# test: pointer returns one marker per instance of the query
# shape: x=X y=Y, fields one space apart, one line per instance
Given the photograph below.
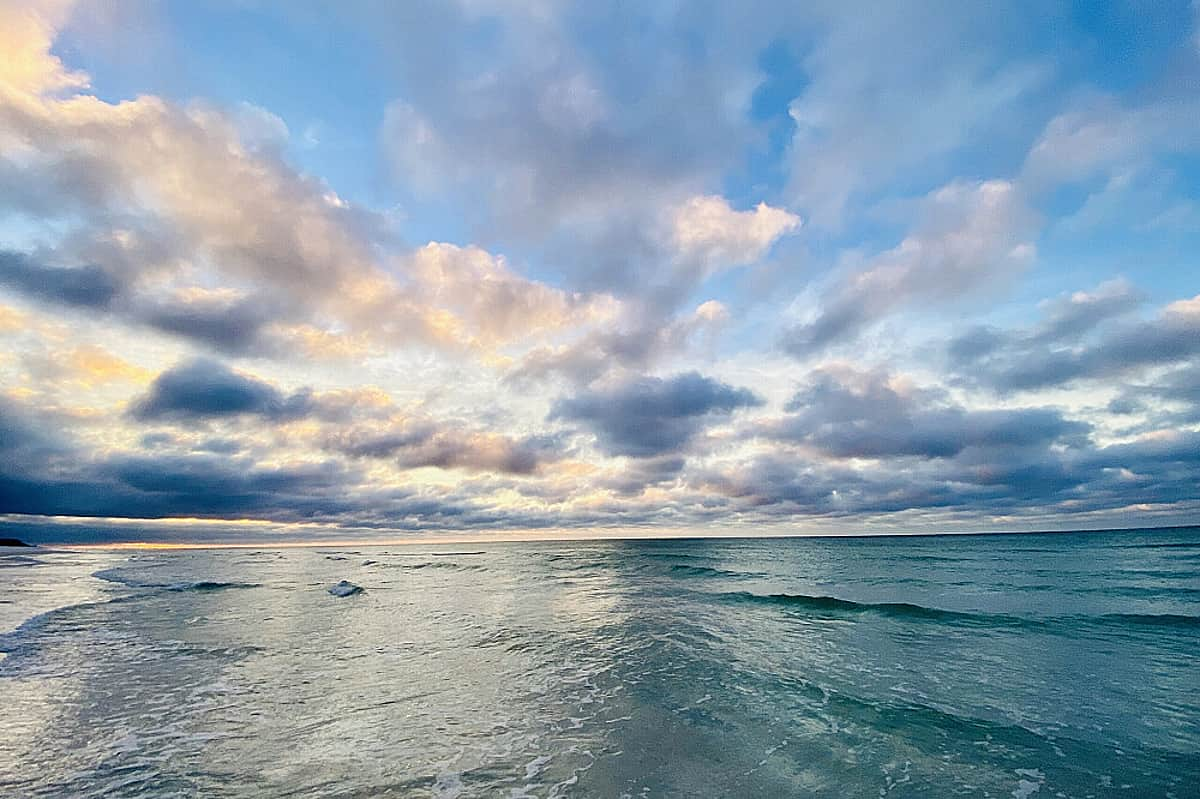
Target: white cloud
x=26 y=29
x=708 y=229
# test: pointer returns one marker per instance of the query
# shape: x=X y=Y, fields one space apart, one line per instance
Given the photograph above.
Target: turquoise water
x=1028 y=666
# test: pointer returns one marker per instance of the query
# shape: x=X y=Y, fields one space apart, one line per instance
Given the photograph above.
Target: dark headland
x=13 y=542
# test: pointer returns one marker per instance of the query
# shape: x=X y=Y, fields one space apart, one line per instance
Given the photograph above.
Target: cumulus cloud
x=650 y=416
x=973 y=234
x=227 y=324
x=489 y=302
x=155 y=197
x=82 y=286
x=708 y=229
x=28 y=65
x=206 y=389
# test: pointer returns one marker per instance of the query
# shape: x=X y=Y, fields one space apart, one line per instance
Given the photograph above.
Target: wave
x=443 y=564
x=930 y=558
x=899 y=610
x=674 y=556
x=708 y=571
x=1153 y=619
x=14 y=640
x=905 y=610
x=17 y=561
x=1151 y=592
x=114 y=576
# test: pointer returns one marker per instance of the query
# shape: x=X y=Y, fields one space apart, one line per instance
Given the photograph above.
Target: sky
x=358 y=270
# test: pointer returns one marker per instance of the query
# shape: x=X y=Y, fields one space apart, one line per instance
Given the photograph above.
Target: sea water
x=1039 y=666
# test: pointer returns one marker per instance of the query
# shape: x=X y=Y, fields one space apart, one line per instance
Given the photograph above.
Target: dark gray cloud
x=227 y=326
x=42 y=473
x=861 y=415
x=181 y=486
x=644 y=472
x=650 y=416
x=80 y=286
x=24 y=436
x=224 y=325
x=1054 y=354
x=1169 y=400
x=1068 y=318
x=48 y=478
x=868 y=447
x=1154 y=472
x=205 y=389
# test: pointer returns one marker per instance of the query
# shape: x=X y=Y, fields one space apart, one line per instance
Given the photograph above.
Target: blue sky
x=491 y=268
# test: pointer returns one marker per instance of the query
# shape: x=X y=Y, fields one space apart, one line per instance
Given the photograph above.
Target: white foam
x=1028 y=787
x=345 y=588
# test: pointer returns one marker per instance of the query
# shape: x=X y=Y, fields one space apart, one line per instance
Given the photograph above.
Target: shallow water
x=1027 y=666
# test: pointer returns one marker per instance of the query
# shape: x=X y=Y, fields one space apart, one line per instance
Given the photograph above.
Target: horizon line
x=433 y=540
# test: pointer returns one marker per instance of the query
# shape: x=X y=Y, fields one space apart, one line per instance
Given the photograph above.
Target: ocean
x=1049 y=665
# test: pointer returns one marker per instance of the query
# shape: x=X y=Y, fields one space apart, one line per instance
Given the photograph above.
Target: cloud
x=157 y=200
x=1070 y=317
x=204 y=389
x=28 y=65
x=143 y=487
x=490 y=303
x=645 y=472
x=1172 y=398
x=650 y=416
x=426 y=443
x=23 y=437
x=1103 y=135
x=82 y=286
x=548 y=136
x=892 y=98
x=634 y=347
x=222 y=320
x=1026 y=360
x=226 y=324
x=707 y=229
x=844 y=413
x=973 y=234
x=1052 y=484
